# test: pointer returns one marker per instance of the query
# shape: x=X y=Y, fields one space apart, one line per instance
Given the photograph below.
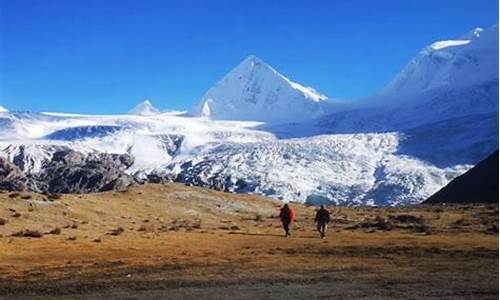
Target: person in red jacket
x=287 y=216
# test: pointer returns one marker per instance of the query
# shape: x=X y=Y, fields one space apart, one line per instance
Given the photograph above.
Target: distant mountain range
x=256 y=131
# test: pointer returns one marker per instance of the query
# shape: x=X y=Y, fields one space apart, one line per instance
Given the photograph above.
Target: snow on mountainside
x=451 y=64
x=348 y=169
x=144 y=108
x=255 y=91
x=3 y=110
x=436 y=119
x=340 y=169
x=445 y=102
x=29 y=158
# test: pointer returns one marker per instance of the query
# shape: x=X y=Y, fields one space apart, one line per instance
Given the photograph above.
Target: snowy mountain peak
x=256 y=91
x=449 y=64
x=252 y=64
x=253 y=60
x=255 y=64
x=144 y=108
x=3 y=110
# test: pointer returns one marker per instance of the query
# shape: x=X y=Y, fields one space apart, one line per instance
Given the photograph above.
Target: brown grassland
x=177 y=242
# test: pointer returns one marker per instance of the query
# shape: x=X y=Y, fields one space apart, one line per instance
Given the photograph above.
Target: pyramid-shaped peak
x=257 y=92
x=145 y=108
x=253 y=62
x=253 y=59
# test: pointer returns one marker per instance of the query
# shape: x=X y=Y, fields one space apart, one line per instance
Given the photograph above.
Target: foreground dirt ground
x=177 y=242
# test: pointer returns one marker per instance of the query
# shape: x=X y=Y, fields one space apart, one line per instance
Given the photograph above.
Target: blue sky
x=97 y=56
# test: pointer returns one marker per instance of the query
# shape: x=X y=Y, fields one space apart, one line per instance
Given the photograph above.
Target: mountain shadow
x=478 y=185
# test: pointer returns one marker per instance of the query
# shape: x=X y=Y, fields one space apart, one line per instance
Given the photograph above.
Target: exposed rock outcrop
x=11 y=177
x=74 y=172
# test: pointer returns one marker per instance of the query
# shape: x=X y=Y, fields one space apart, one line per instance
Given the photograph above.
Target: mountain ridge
x=255 y=91
x=393 y=154
x=145 y=108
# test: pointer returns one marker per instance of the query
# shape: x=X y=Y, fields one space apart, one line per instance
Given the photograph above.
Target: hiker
x=287 y=216
x=322 y=219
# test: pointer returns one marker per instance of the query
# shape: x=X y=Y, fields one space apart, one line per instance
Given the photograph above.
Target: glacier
x=258 y=132
x=234 y=156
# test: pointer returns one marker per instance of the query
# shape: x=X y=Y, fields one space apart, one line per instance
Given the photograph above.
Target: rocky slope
x=73 y=172
x=68 y=171
x=11 y=177
x=478 y=185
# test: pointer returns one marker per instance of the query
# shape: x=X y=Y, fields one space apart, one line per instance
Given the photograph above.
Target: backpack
x=291 y=214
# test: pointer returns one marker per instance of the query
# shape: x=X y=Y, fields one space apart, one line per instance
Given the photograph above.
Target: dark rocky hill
x=478 y=185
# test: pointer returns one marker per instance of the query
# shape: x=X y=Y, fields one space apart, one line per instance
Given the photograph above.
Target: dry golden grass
x=161 y=237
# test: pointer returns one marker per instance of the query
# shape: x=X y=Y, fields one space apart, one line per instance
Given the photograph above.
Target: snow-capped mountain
x=257 y=92
x=470 y=60
x=447 y=79
x=445 y=102
x=3 y=110
x=436 y=119
x=144 y=108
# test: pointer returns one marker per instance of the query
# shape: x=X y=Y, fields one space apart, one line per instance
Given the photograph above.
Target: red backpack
x=291 y=214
